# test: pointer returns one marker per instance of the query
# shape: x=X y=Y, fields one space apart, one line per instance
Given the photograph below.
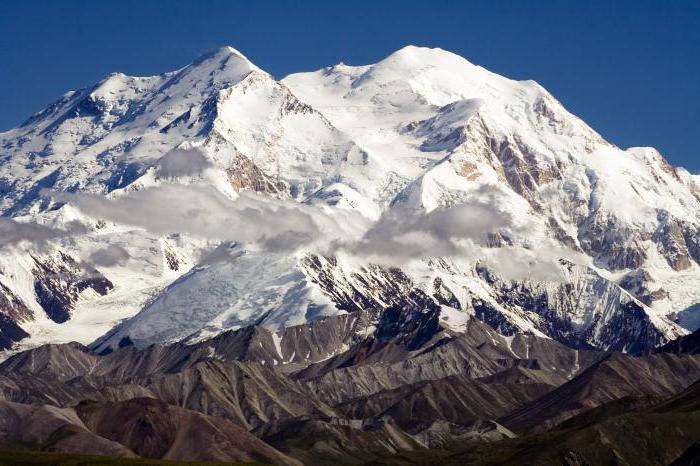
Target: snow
x=423 y=128
x=454 y=319
x=277 y=340
x=252 y=288
x=690 y=318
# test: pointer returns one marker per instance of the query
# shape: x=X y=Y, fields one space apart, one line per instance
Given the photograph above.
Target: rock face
x=580 y=241
x=58 y=283
x=12 y=313
x=688 y=344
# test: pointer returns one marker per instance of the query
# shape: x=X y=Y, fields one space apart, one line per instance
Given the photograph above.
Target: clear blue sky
x=631 y=69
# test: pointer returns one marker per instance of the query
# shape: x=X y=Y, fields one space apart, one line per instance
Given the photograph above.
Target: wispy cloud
x=109 y=256
x=13 y=233
x=206 y=213
x=402 y=234
x=181 y=162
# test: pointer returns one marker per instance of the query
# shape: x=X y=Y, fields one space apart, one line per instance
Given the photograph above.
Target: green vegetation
x=31 y=457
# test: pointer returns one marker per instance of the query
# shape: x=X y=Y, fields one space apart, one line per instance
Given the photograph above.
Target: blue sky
x=631 y=69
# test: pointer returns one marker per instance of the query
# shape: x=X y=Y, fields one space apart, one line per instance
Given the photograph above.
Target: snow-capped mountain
x=213 y=197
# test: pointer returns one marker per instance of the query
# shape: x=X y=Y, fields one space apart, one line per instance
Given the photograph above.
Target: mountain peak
x=223 y=54
x=225 y=51
x=417 y=56
x=400 y=134
x=219 y=68
x=419 y=50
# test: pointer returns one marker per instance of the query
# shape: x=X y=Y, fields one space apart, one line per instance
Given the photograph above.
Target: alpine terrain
x=399 y=263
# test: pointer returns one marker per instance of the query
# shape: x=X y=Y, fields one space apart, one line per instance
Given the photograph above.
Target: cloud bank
x=402 y=234
x=204 y=212
x=12 y=232
x=181 y=162
x=109 y=256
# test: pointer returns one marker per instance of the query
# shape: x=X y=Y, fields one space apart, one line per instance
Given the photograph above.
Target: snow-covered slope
x=476 y=192
x=629 y=211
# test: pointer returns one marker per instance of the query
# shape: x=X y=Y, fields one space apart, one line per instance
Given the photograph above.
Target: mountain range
x=413 y=391
x=398 y=257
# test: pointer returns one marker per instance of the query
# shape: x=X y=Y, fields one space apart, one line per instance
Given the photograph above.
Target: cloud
x=463 y=231
x=224 y=252
x=110 y=256
x=403 y=234
x=181 y=162
x=13 y=233
x=204 y=212
x=541 y=263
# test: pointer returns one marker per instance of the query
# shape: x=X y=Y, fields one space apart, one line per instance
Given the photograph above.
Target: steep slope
x=514 y=136
x=687 y=344
x=474 y=192
x=103 y=138
x=139 y=427
x=237 y=117
x=615 y=377
x=53 y=429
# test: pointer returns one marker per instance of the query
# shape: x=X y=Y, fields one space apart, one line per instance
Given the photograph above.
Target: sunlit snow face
x=364 y=105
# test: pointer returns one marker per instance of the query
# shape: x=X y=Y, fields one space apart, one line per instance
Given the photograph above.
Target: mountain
x=689 y=344
x=613 y=378
x=355 y=405
x=141 y=427
x=176 y=207
x=666 y=432
x=417 y=389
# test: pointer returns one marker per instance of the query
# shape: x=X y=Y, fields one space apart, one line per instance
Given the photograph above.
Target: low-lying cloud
x=204 y=212
x=109 y=256
x=181 y=162
x=13 y=233
x=541 y=263
x=463 y=231
x=402 y=233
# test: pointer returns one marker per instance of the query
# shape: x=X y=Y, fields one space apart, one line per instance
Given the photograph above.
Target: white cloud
x=536 y=264
x=181 y=162
x=206 y=213
x=109 y=256
x=402 y=234
x=13 y=233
